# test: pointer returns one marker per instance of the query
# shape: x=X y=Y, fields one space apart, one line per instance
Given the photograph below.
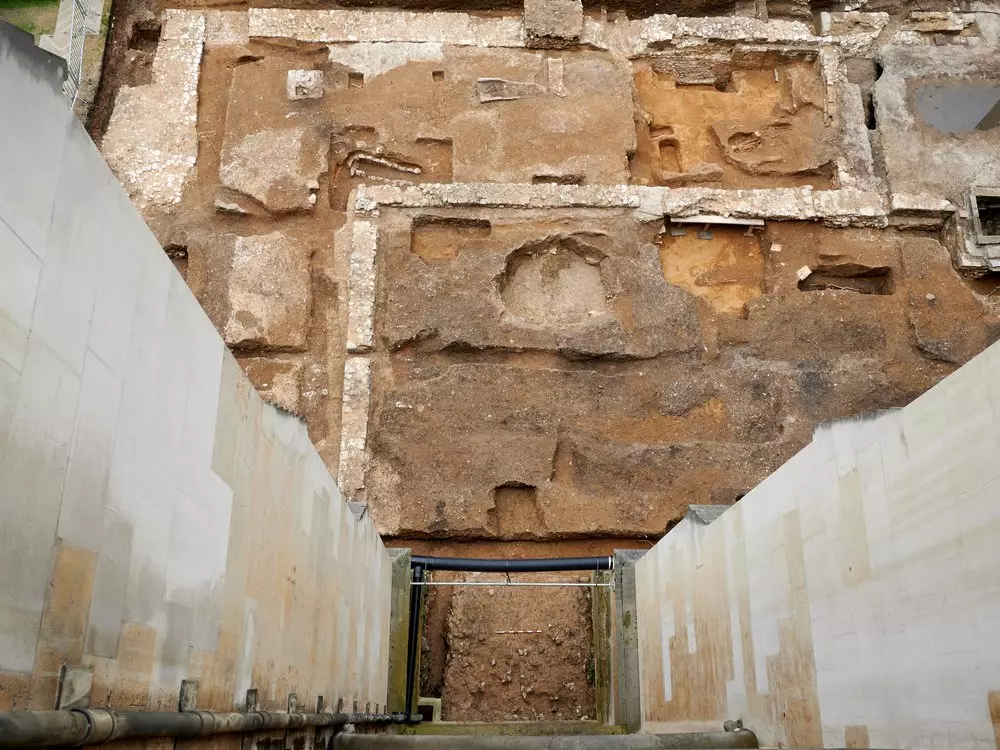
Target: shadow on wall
x=160 y=522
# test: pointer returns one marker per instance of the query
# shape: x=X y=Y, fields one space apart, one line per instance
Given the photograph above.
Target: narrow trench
x=850 y=277
x=870 y=118
x=511 y=653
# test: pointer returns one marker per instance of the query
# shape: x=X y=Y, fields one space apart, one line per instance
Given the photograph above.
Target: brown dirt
x=543 y=674
x=616 y=424
x=566 y=382
x=757 y=127
x=444 y=676
x=723 y=265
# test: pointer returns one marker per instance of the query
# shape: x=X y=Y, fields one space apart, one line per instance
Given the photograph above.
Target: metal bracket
x=74 y=688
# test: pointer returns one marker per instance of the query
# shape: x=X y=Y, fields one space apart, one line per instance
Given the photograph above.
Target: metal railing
x=74 y=56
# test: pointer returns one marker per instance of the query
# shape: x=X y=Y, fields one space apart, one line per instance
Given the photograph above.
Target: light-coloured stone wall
x=852 y=598
x=158 y=520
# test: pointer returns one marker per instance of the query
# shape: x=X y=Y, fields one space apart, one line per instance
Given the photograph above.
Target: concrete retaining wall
x=158 y=521
x=852 y=598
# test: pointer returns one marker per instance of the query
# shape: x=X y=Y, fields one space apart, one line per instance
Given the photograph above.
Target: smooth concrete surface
x=158 y=521
x=625 y=682
x=399 y=629
x=852 y=598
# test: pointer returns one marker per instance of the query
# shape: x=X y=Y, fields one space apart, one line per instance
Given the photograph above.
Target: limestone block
x=278 y=167
x=268 y=292
x=152 y=144
x=648 y=33
x=256 y=289
x=553 y=23
x=304 y=84
x=929 y=22
x=354 y=421
x=921 y=203
x=361 y=287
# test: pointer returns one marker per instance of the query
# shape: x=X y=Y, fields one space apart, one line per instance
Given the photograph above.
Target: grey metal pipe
x=535 y=565
x=97 y=725
x=28 y=728
x=691 y=741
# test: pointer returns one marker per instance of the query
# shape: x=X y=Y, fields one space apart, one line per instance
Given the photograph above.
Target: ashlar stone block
x=304 y=84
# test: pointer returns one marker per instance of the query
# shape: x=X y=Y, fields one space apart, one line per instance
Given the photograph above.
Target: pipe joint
x=101 y=725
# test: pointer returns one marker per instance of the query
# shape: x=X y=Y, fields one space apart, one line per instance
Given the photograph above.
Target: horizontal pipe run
x=97 y=725
x=553 y=584
x=687 y=741
x=539 y=565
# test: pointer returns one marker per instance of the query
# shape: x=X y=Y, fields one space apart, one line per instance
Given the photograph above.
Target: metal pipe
x=687 y=741
x=413 y=644
x=554 y=584
x=539 y=565
x=27 y=728
x=97 y=725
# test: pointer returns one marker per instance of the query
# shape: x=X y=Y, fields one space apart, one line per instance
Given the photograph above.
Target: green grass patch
x=34 y=17
x=15 y=4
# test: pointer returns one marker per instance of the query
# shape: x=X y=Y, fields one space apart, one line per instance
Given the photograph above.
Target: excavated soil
x=516 y=653
x=546 y=382
x=731 y=128
x=476 y=671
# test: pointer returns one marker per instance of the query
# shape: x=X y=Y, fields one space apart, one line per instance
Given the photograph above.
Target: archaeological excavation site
x=458 y=374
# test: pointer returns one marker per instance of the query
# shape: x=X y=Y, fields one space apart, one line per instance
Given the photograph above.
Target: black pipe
x=97 y=725
x=27 y=728
x=413 y=644
x=541 y=565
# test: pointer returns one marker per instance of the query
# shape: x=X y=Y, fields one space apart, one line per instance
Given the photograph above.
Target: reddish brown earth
x=560 y=382
x=514 y=654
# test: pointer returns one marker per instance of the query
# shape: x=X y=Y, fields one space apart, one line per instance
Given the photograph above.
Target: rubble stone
x=354 y=424
x=361 y=287
x=152 y=143
x=384 y=26
x=843 y=207
x=276 y=167
x=553 y=23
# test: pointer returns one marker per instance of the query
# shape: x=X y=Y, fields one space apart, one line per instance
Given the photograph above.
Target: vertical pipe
x=413 y=644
